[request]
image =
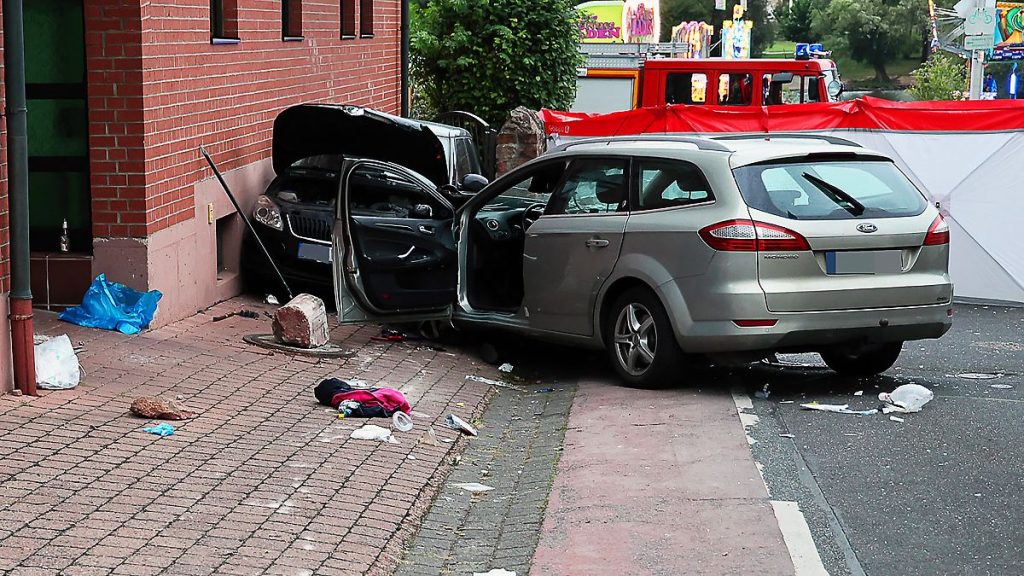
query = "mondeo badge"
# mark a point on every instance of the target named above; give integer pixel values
(867, 228)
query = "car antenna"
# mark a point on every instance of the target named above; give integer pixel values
(246, 219)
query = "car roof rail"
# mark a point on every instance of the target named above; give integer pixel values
(700, 143)
(790, 136)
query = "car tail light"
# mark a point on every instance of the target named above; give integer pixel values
(938, 232)
(751, 236)
(755, 323)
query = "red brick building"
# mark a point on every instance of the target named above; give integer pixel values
(121, 95)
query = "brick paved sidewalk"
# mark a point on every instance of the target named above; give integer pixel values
(264, 480)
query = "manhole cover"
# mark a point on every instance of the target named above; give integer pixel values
(979, 375)
(326, 351)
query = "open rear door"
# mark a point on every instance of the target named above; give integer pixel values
(393, 235)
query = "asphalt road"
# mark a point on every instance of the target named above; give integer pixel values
(941, 492)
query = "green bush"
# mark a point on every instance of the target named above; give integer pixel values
(942, 77)
(796, 21)
(490, 56)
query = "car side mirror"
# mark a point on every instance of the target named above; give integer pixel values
(782, 77)
(473, 183)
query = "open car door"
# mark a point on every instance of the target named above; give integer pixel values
(393, 233)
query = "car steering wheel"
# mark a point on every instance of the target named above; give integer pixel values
(532, 213)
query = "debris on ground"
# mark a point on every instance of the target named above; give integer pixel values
(490, 382)
(506, 368)
(56, 364)
(1000, 386)
(112, 306)
(763, 393)
(786, 436)
(373, 432)
(389, 335)
(456, 423)
(270, 342)
(251, 314)
(786, 402)
(979, 375)
(163, 429)
(302, 322)
(544, 391)
(896, 419)
(837, 408)
(430, 437)
(272, 300)
(402, 421)
(159, 409)
(496, 572)
(858, 393)
(360, 402)
(906, 398)
(475, 487)
(40, 338)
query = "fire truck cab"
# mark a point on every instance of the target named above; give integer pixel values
(622, 77)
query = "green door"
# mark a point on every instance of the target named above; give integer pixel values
(58, 151)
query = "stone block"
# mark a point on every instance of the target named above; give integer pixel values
(302, 322)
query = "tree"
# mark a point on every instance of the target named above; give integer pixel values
(873, 31)
(942, 77)
(796, 21)
(489, 56)
(673, 12)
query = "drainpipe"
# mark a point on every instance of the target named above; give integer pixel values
(405, 59)
(17, 196)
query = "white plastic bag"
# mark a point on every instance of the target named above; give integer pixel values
(57, 364)
(907, 398)
(373, 432)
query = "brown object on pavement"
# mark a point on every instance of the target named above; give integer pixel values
(160, 409)
(302, 322)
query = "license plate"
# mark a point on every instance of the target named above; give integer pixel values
(315, 252)
(864, 262)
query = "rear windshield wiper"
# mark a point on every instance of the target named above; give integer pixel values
(836, 194)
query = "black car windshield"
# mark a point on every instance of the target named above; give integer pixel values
(829, 190)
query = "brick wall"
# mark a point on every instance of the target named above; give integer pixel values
(225, 97)
(113, 37)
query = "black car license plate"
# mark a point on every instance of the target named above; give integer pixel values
(315, 252)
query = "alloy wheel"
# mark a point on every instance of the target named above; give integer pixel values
(635, 339)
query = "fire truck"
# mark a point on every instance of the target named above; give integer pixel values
(627, 76)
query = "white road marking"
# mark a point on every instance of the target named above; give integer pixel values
(797, 535)
(795, 532)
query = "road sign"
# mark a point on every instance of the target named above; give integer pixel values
(980, 22)
(978, 42)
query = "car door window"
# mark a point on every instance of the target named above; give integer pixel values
(466, 160)
(735, 89)
(668, 183)
(591, 186)
(688, 88)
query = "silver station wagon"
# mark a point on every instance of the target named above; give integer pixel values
(658, 249)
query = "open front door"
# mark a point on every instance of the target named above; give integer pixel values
(393, 232)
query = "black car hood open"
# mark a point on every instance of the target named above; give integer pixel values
(314, 129)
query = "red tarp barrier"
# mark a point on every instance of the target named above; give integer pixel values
(864, 114)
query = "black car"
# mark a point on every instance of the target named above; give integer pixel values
(295, 216)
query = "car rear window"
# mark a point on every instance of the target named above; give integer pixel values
(829, 190)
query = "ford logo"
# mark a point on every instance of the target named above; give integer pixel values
(867, 228)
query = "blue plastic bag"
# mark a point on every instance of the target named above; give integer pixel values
(163, 430)
(112, 306)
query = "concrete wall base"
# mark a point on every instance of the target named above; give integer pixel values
(182, 261)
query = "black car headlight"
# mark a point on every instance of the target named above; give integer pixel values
(267, 213)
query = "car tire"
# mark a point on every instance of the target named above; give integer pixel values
(640, 342)
(863, 363)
